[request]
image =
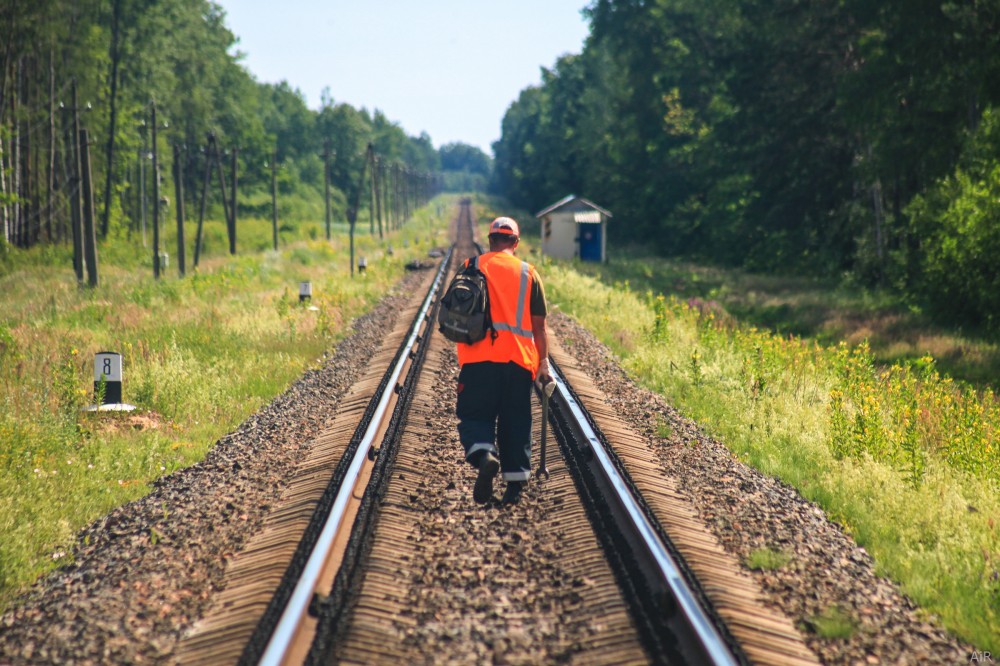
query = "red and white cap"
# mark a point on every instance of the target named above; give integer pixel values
(504, 225)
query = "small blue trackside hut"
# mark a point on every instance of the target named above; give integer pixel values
(574, 228)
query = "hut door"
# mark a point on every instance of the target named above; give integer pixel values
(590, 242)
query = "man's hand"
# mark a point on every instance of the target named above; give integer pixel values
(540, 336)
(544, 375)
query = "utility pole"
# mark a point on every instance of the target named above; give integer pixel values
(156, 199)
(230, 224)
(89, 233)
(371, 189)
(326, 182)
(387, 186)
(404, 182)
(274, 197)
(352, 212)
(209, 156)
(232, 239)
(51, 182)
(77, 192)
(394, 184)
(143, 156)
(377, 176)
(116, 53)
(179, 192)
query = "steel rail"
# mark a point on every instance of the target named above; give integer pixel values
(711, 641)
(298, 604)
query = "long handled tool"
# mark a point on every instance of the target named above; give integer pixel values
(546, 391)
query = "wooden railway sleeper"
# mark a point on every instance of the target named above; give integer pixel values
(271, 638)
(657, 582)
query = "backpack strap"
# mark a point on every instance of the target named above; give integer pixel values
(474, 264)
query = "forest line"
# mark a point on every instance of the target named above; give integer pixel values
(858, 139)
(124, 58)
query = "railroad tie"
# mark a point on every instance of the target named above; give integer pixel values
(251, 578)
(766, 635)
(381, 627)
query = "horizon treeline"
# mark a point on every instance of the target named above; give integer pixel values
(855, 139)
(121, 56)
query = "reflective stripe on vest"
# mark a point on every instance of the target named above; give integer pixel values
(522, 295)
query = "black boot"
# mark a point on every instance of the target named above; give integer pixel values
(488, 468)
(513, 493)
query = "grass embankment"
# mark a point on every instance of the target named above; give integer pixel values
(822, 310)
(904, 458)
(200, 355)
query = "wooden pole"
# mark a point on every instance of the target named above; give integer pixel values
(17, 174)
(142, 183)
(377, 175)
(407, 195)
(4, 209)
(179, 193)
(116, 56)
(352, 212)
(326, 182)
(230, 227)
(387, 196)
(209, 156)
(232, 207)
(274, 197)
(398, 195)
(27, 177)
(371, 191)
(77, 188)
(51, 184)
(156, 200)
(390, 189)
(89, 232)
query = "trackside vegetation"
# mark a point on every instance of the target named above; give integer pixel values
(903, 458)
(200, 354)
(826, 310)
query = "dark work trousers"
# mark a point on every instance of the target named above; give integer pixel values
(494, 415)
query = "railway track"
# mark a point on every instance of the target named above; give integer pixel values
(602, 562)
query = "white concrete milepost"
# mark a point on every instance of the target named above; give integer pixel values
(108, 366)
(108, 369)
(305, 294)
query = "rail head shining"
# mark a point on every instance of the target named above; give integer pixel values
(298, 604)
(708, 636)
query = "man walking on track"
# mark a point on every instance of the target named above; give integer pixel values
(494, 384)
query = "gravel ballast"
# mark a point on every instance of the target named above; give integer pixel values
(128, 597)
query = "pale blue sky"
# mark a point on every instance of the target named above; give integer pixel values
(445, 67)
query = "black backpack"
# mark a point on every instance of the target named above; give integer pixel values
(464, 315)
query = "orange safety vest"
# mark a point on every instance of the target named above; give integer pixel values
(509, 282)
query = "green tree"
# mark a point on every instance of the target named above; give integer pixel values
(957, 224)
(464, 157)
(349, 131)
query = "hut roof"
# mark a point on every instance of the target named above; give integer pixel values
(574, 203)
